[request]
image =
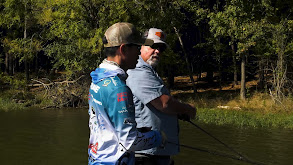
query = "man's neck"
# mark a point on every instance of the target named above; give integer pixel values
(117, 60)
(112, 62)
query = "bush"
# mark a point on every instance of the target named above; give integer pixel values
(8, 105)
(12, 82)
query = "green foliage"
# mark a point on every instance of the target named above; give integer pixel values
(12, 82)
(23, 48)
(235, 22)
(12, 13)
(76, 43)
(7, 105)
(14, 99)
(69, 32)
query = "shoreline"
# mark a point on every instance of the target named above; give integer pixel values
(217, 116)
(214, 105)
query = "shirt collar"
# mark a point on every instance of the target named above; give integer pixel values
(141, 62)
(115, 67)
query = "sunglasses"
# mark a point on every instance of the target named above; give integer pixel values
(159, 46)
(134, 45)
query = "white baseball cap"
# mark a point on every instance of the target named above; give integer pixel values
(157, 35)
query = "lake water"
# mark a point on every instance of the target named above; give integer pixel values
(55, 136)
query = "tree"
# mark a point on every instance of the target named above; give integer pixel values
(282, 48)
(237, 22)
(19, 16)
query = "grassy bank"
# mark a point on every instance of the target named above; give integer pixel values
(8, 105)
(225, 107)
(20, 100)
(245, 118)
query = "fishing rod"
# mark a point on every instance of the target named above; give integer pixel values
(230, 148)
(217, 153)
(241, 157)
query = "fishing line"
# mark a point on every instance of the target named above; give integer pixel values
(241, 157)
(213, 153)
(217, 153)
(231, 149)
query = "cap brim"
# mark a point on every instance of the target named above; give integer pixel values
(160, 41)
(148, 42)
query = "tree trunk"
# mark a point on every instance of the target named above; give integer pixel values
(186, 60)
(210, 75)
(199, 76)
(280, 71)
(36, 65)
(10, 65)
(220, 72)
(6, 63)
(26, 65)
(243, 86)
(261, 74)
(280, 75)
(235, 82)
(170, 76)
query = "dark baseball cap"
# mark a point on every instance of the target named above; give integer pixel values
(124, 33)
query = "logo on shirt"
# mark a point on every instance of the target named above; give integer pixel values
(124, 110)
(97, 101)
(95, 87)
(106, 83)
(114, 81)
(94, 148)
(122, 96)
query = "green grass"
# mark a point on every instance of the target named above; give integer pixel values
(245, 118)
(8, 105)
(18, 100)
(258, 110)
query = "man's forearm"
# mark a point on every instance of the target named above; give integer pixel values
(168, 104)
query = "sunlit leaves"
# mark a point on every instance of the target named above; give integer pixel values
(23, 48)
(71, 31)
(12, 12)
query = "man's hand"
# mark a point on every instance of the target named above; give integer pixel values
(190, 111)
(168, 104)
(183, 117)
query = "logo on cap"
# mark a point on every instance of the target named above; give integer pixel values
(160, 34)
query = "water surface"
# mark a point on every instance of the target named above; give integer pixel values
(266, 146)
(60, 136)
(44, 137)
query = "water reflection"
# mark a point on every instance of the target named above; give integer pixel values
(58, 136)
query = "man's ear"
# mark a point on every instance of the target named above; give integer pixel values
(122, 49)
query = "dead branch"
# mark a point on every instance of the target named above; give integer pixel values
(46, 86)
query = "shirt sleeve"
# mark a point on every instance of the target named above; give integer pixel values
(145, 84)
